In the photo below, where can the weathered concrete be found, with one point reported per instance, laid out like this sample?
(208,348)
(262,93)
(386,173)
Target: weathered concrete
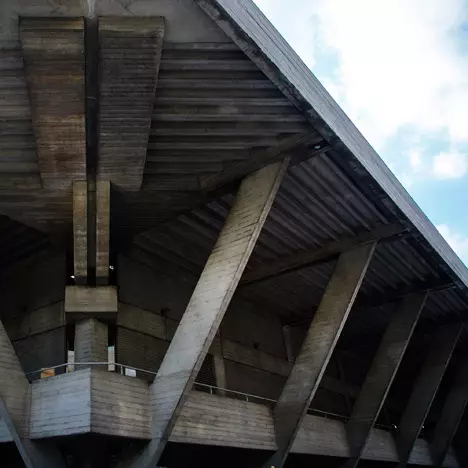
(208,304)
(102,231)
(424,391)
(451,415)
(14,408)
(87,301)
(381,374)
(91,341)
(80,231)
(318,347)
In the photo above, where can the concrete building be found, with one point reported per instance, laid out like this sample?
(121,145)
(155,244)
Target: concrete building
(204,263)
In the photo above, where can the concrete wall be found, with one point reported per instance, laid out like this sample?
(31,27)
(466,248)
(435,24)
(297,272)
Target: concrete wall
(90,400)
(214,420)
(251,343)
(60,405)
(33,314)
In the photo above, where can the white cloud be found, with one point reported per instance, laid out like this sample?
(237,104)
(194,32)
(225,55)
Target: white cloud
(458,242)
(398,61)
(450,165)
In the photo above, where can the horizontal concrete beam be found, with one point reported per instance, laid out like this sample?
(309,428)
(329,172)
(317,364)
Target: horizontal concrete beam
(306,258)
(87,300)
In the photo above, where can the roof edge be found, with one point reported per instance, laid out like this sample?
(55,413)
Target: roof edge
(249,28)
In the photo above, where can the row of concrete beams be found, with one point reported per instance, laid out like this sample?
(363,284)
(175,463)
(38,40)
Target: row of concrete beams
(211,298)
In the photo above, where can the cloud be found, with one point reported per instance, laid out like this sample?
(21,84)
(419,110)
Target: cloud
(399,64)
(450,165)
(458,242)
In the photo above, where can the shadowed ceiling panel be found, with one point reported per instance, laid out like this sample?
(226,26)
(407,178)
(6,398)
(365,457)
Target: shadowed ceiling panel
(130,50)
(53,51)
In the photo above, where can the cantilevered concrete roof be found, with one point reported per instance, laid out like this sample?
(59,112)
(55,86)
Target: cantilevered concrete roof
(231,96)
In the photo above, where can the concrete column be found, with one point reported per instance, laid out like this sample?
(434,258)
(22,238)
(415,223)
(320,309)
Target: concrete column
(424,391)
(14,409)
(452,413)
(208,304)
(91,341)
(381,374)
(317,348)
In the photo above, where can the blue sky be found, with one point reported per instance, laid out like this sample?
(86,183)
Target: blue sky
(399,69)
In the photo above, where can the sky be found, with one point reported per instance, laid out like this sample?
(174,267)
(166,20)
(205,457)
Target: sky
(399,69)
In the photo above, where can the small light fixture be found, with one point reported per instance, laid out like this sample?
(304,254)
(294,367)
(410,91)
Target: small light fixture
(72,276)
(111,267)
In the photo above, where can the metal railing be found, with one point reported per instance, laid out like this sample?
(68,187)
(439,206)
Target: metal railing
(212,389)
(72,366)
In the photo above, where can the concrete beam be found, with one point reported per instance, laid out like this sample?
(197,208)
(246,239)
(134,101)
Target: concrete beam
(451,415)
(208,304)
(317,348)
(381,374)
(85,301)
(15,407)
(306,258)
(129,53)
(424,391)
(54,58)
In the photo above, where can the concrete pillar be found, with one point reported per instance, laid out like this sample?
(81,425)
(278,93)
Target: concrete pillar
(452,413)
(381,374)
(91,341)
(317,348)
(424,391)
(208,304)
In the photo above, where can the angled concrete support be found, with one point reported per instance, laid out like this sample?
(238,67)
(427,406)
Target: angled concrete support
(207,306)
(317,348)
(15,406)
(451,415)
(381,374)
(424,391)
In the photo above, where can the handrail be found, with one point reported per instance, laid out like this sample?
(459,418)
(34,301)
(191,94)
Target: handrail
(212,388)
(91,363)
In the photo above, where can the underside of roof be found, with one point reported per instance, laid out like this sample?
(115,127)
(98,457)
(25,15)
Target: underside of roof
(230,96)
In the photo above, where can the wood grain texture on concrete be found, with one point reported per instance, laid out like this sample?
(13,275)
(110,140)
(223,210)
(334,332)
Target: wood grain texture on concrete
(91,341)
(248,27)
(103,208)
(15,396)
(80,231)
(208,304)
(129,54)
(91,300)
(215,420)
(318,346)
(53,51)
(424,391)
(380,376)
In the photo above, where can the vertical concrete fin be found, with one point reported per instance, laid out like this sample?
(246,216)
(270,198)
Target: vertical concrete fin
(451,415)
(318,347)
(424,391)
(80,231)
(381,373)
(102,231)
(208,304)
